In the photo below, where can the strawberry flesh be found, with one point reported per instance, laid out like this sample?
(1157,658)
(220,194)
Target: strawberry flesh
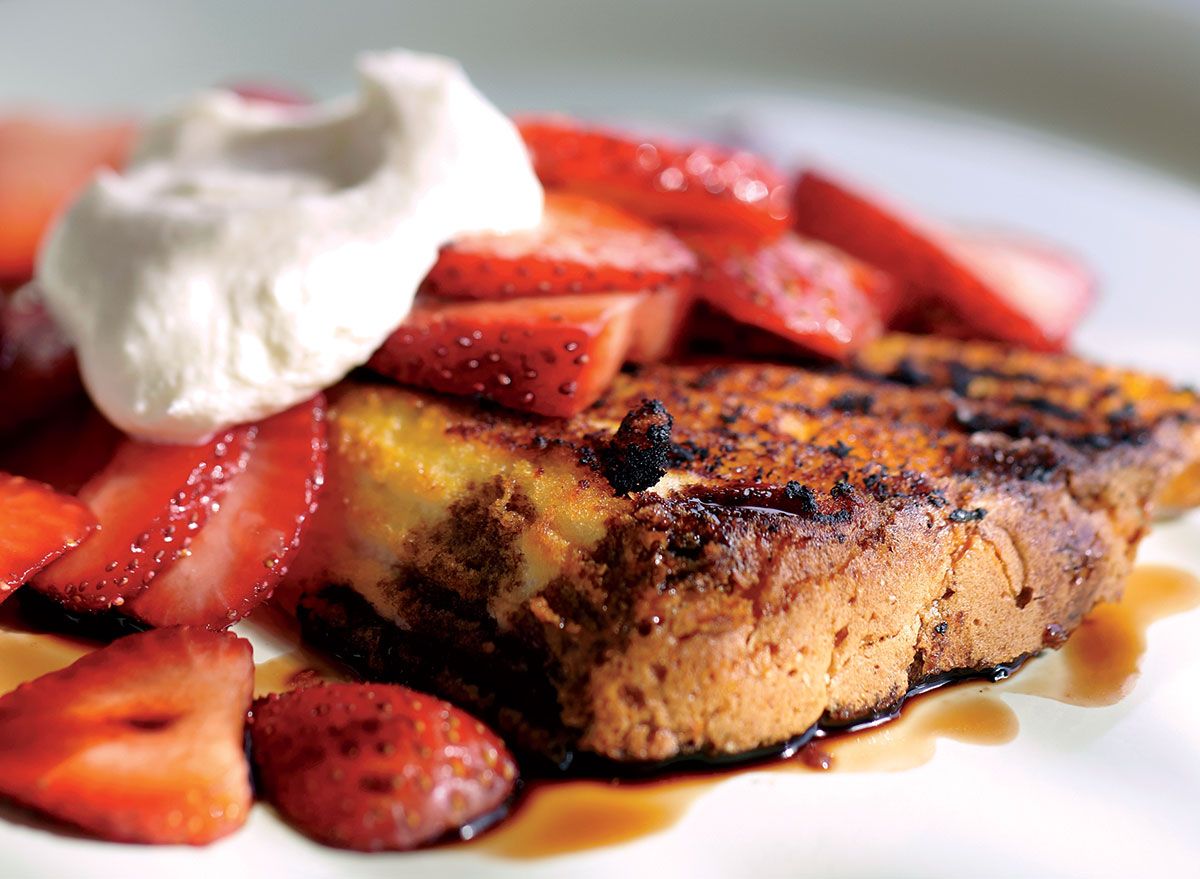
(701,186)
(44,162)
(37,525)
(37,364)
(581,246)
(1050,287)
(151,500)
(140,741)
(375,766)
(236,560)
(803,291)
(923,260)
(551,356)
(660,323)
(269,93)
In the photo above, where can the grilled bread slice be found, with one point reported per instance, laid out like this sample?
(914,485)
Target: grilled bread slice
(715,557)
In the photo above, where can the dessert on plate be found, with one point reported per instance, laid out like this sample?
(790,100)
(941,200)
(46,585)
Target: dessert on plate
(636,451)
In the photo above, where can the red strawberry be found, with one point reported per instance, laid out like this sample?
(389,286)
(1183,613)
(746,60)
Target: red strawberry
(806,292)
(552,356)
(701,186)
(64,450)
(37,525)
(581,246)
(151,501)
(269,93)
(141,741)
(235,561)
(37,365)
(1048,286)
(922,259)
(376,766)
(43,163)
(659,323)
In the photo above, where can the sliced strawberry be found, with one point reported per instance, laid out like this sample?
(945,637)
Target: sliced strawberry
(660,323)
(269,93)
(804,291)
(151,500)
(581,246)
(235,561)
(1047,285)
(552,356)
(376,766)
(141,741)
(37,364)
(37,525)
(922,259)
(701,186)
(64,450)
(43,163)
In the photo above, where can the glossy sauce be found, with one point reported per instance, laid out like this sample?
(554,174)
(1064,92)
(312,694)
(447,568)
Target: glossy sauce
(1097,666)
(560,817)
(291,670)
(28,652)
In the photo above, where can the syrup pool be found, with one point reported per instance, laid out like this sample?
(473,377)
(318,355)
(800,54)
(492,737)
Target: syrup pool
(1097,666)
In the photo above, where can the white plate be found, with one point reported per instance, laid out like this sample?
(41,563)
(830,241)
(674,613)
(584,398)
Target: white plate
(1081,791)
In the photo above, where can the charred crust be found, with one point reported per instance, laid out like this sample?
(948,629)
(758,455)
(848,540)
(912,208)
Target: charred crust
(768,515)
(638,454)
(853,403)
(687,452)
(907,373)
(839,449)
(841,489)
(1049,407)
(961,377)
(804,497)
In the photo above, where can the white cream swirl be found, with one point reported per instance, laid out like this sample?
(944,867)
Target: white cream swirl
(253,254)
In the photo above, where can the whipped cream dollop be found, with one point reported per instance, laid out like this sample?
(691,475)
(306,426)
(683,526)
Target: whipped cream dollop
(253,254)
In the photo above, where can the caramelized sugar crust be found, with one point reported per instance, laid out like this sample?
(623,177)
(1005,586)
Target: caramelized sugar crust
(763,548)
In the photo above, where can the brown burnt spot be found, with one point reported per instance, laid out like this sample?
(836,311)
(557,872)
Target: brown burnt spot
(1027,461)
(1054,636)
(853,402)
(637,456)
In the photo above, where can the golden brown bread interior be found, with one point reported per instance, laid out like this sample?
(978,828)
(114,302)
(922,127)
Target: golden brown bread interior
(823,539)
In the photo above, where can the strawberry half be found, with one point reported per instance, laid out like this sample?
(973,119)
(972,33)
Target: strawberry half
(1047,285)
(552,356)
(925,261)
(376,766)
(269,93)
(37,364)
(234,563)
(43,163)
(37,525)
(581,246)
(151,501)
(701,186)
(140,741)
(659,324)
(806,292)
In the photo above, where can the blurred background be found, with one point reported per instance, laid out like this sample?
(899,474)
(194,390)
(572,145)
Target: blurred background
(1075,119)
(1121,73)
